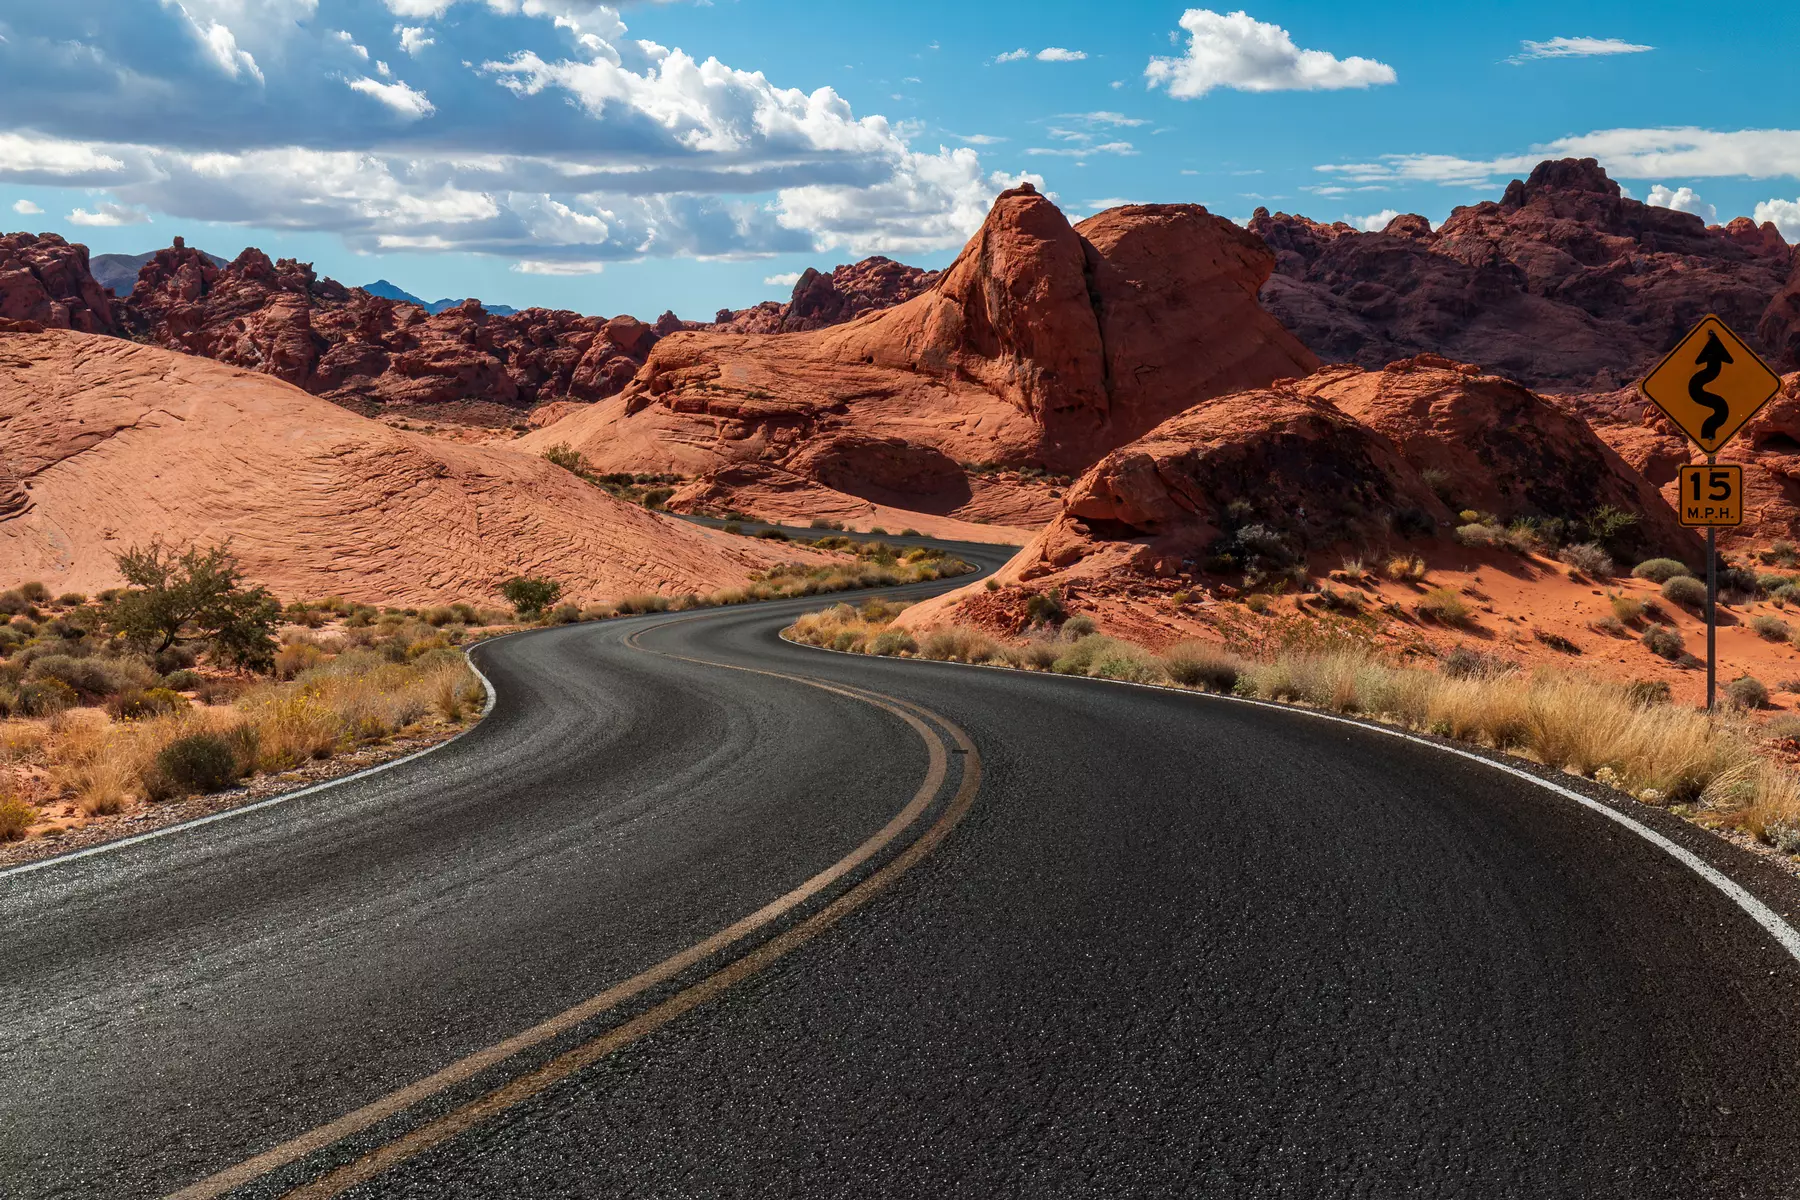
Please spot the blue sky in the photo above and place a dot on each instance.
(693, 155)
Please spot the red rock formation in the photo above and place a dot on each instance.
(821, 300)
(281, 319)
(45, 282)
(1779, 330)
(1313, 469)
(105, 443)
(1564, 284)
(1041, 346)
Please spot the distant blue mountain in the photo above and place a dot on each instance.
(388, 291)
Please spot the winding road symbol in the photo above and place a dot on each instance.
(1711, 361)
(1710, 384)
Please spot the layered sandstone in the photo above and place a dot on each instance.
(1041, 347)
(820, 300)
(105, 443)
(1565, 284)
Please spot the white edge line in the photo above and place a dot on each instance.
(1771, 921)
(151, 834)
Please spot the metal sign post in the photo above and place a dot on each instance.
(1710, 403)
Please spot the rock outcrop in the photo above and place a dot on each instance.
(105, 443)
(368, 352)
(1346, 462)
(820, 300)
(45, 283)
(1564, 284)
(1041, 347)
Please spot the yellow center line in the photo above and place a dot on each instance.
(443, 1128)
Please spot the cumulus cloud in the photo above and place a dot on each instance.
(396, 95)
(1012, 55)
(109, 214)
(1058, 54)
(583, 147)
(413, 38)
(1234, 50)
(1627, 153)
(1576, 47)
(1374, 222)
(786, 279)
(26, 208)
(1121, 148)
(1784, 213)
(1683, 199)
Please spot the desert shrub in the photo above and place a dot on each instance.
(1684, 590)
(567, 457)
(199, 762)
(1202, 665)
(1033, 654)
(71, 599)
(772, 535)
(1349, 602)
(193, 593)
(1557, 641)
(1628, 609)
(437, 615)
(296, 657)
(35, 592)
(657, 497)
(891, 642)
(1125, 661)
(1784, 727)
(847, 640)
(958, 643)
(1612, 626)
(1079, 626)
(1445, 606)
(1772, 629)
(1783, 554)
(133, 704)
(564, 614)
(12, 603)
(1650, 691)
(182, 681)
(1354, 570)
(644, 602)
(16, 817)
(1660, 570)
(1480, 535)
(732, 527)
(1405, 568)
(530, 594)
(1747, 692)
(1587, 557)
(1664, 641)
(1045, 608)
(93, 678)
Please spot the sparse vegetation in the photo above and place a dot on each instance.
(530, 595)
(187, 593)
(1664, 641)
(1444, 606)
(1660, 570)
(1685, 590)
(1589, 558)
(1772, 629)
(1405, 568)
(1747, 692)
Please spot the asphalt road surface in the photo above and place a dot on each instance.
(696, 912)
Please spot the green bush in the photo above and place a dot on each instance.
(1079, 626)
(46, 697)
(1772, 629)
(1684, 590)
(93, 678)
(891, 642)
(200, 762)
(1660, 570)
(529, 594)
(71, 599)
(132, 704)
(35, 592)
(182, 681)
(16, 817)
(1045, 608)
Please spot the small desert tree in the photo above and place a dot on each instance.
(186, 593)
(529, 594)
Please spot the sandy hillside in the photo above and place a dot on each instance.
(105, 443)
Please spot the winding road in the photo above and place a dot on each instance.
(696, 912)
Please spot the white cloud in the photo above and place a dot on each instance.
(1120, 148)
(1237, 51)
(1058, 54)
(932, 202)
(1108, 118)
(343, 36)
(109, 214)
(536, 266)
(1683, 199)
(413, 38)
(402, 99)
(1784, 213)
(1111, 202)
(1686, 152)
(26, 208)
(24, 159)
(786, 279)
(1576, 47)
(978, 139)
(419, 8)
(1374, 222)
(1012, 55)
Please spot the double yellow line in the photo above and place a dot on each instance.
(441, 1129)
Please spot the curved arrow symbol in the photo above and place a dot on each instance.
(1711, 359)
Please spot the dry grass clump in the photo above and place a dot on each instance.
(1405, 568)
(959, 643)
(1444, 606)
(16, 817)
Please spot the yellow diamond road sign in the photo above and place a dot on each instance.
(1710, 384)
